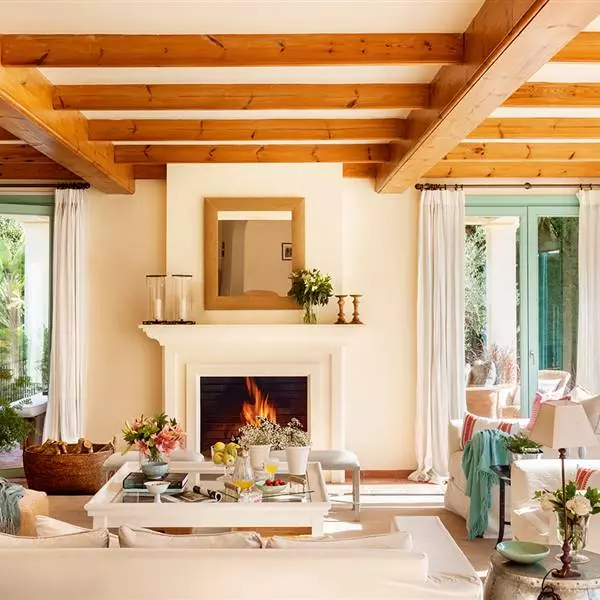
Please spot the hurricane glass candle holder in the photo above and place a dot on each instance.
(156, 290)
(182, 299)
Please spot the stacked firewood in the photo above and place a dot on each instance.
(83, 446)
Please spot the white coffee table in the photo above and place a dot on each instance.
(107, 508)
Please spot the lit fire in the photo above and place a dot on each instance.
(259, 407)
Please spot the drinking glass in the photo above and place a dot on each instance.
(271, 467)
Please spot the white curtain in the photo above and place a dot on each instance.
(588, 340)
(440, 328)
(64, 416)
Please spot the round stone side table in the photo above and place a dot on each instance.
(507, 580)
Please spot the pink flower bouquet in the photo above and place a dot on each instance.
(154, 436)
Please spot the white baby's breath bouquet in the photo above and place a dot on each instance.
(261, 433)
(294, 435)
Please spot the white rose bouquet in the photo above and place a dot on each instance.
(580, 505)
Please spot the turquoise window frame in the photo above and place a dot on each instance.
(528, 209)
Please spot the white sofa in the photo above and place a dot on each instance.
(435, 568)
(529, 522)
(455, 499)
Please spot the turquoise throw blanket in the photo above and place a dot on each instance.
(486, 448)
(10, 515)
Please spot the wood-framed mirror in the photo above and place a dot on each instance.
(251, 245)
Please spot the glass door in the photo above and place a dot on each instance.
(521, 300)
(554, 234)
(495, 308)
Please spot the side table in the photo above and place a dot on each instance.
(503, 473)
(507, 580)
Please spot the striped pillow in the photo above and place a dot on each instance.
(539, 399)
(583, 476)
(472, 424)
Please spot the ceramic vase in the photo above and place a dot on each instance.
(258, 455)
(152, 468)
(297, 459)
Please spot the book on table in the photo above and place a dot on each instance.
(134, 482)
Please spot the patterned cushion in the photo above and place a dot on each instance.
(473, 424)
(583, 476)
(539, 399)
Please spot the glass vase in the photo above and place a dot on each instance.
(309, 317)
(577, 529)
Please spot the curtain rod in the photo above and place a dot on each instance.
(526, 185)
(58, 186)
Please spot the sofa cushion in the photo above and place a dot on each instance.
(49, 527)
(130, 537)
(95, 538)
(472, 424)
(399, 540)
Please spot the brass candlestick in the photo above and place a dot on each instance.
(355, 301)
(341, 317)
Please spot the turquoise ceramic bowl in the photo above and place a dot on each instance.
(523, 552)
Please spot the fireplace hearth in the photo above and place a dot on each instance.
(227, 403)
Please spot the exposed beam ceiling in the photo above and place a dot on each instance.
(153, 130)
(523, 169)
(240, 96)
(230, 50)
(358, 170)
(22, 153)
(556, 94)
(537, 128)
(584, 47)
(31, 171)
(26, 112)
(519, 152)
(505, 44)
(282, 153)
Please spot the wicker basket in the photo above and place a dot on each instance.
(66, 473)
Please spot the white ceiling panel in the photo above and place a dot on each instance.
(349, 74)
(239, 16)
(246, 114)
(568, 73)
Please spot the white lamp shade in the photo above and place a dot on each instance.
(563, 424)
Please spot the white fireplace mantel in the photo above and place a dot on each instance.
(185, 335)
(315, 351)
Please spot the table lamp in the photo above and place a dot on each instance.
(563, 424)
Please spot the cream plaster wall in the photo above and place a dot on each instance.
(368, 243)
(126, 237)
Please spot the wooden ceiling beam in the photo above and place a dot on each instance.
(162, 130)
(360, 171)
(584, 47)
(519, 152)
(150, 172)
(22, 153)
(538, 95)
(35, 172)
(505, 44)
(279, 153)
(240, 96)
(26, 112)
(230, 50)
(6, 135)
(523, 169)
(536, 128)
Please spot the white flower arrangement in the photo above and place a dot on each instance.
(579, 503)
(294, 435)
(261, 434)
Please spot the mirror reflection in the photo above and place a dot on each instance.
(255, 252)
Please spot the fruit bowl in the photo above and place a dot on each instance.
(277, 486)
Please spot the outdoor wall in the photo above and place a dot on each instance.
(368, 243)
(126, 241)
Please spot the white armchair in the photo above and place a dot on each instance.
(529, 522)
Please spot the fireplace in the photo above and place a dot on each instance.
(228, 402)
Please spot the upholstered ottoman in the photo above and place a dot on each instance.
(32, 504)
(341, 460)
